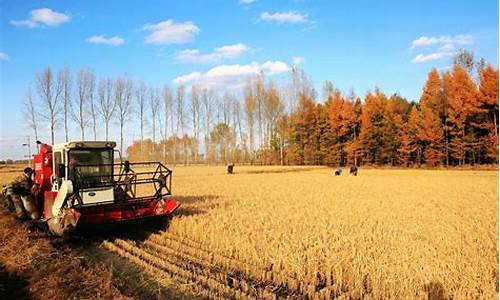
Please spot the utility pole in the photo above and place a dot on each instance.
(28, 145)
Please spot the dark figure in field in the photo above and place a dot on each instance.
(21, 195)
(353, 170)
(230, 168)
(338, 172)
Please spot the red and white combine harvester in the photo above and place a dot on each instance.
(82, 186)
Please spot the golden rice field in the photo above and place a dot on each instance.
(302, 233)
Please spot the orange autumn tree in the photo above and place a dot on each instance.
(463, 103)
(303, 144)
(432, 93)
(378, 136)
(431, 133)
(399, 109)
(334, 108)
(488, 97)
(410, 148)
(352, 122)
(325, 138)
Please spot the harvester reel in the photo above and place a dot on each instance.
(160, 182)
(128, 184)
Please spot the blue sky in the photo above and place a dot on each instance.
(354, 44)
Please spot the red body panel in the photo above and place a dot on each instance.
(42, 164)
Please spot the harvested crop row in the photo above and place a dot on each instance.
(283, 282)
(208, 283)
(234, 277)
(160, 271)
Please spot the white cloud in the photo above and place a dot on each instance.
(421, 58)
(228, 51)
(101, 39)
(461, 39)
(275, 67)
(42, 16)
(3, 56)
(247, 1)
(169, 32)
(231, 76)
(284, 17)
(446, 45)
(27, 23)
(188, 77)
(297, 60)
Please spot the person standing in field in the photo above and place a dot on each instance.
(22, 195)
(230, 168)
(353, 170)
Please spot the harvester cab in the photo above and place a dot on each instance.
(83, 185)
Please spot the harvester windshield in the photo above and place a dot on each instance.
(91, 164)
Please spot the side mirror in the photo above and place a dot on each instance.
(61, 171)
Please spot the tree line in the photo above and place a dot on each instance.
(455, 121)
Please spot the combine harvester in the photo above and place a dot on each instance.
(81, 187)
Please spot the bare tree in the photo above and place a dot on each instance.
(167, 110)
(92, 105)
(107, 103)
(140, 93)
(328, 90)
(195, 113)
(179, 100)
(226, 107)
(80, 105)
(300, 83)
(250, 108)
(464, 59)
(293, 90)
(273, 109)
(30, 112)
(64, 78)
(155, 106)
(123, 97)
(50, 99)
(195, 110)
(207, 101)
(259, 98)
(237, 124)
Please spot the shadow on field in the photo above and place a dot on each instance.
(435, 291)
(140, 230)
(196, 205)
(12, 286)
